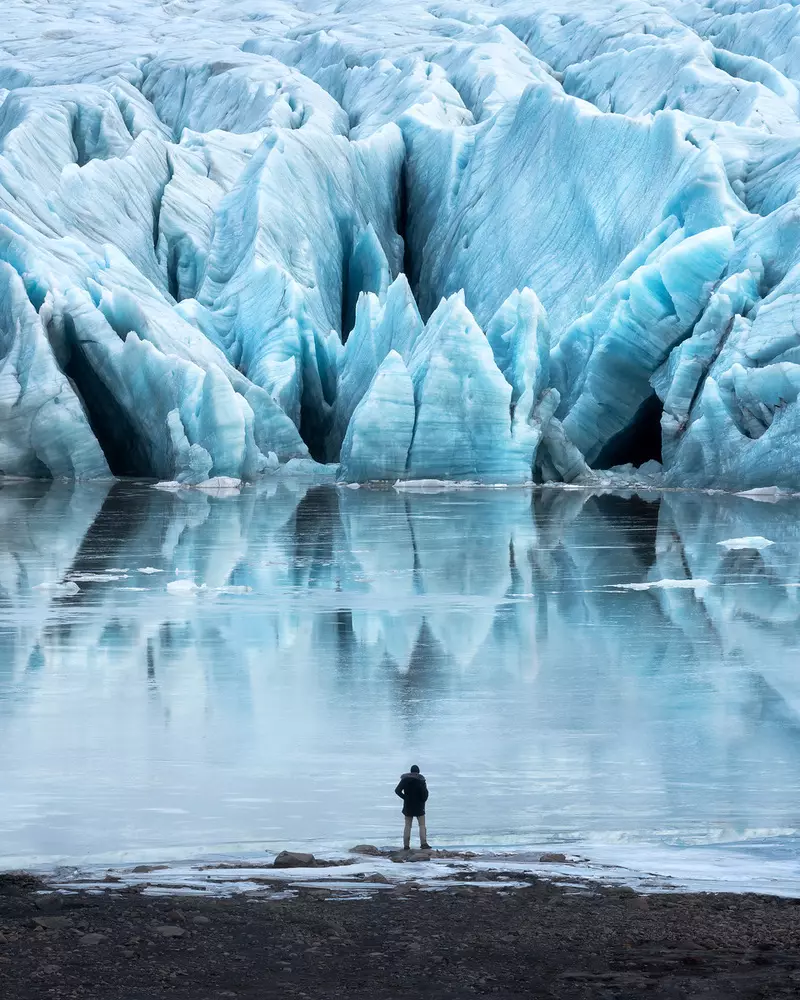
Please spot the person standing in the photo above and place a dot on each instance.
(413, 790)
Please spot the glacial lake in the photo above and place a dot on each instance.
(184, 674)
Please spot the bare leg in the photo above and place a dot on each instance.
(407, 833)
(423, 832)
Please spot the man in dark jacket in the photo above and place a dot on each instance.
(413, 790)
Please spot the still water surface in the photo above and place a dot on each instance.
(183, 674)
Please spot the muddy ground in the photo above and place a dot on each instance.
(542, 940)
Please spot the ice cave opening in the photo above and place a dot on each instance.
(122, 446)
(637, 443)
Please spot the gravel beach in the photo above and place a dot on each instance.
(503, 940)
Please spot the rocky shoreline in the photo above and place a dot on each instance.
(493, 934)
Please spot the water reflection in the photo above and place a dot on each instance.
(181, 672)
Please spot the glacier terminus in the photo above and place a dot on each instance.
(511, 242)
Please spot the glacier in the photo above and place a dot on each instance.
(499, 242)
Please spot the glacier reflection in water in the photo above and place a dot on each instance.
(510, 642)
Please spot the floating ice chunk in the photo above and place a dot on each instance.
(649, 475)
(97, 577)
(62, 589)
(756, 542)
(307, 469)
(697, 585)
(235, 589)
(434, 485)
(764, 494)
(223, 486)
(185, 587)
(149, 570)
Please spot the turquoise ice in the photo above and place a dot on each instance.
(231, 240)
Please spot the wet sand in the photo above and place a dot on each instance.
(504, 939)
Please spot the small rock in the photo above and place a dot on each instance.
(92, 939)
(50, 903)
(144, 869)
(169, 931)
(52, 922)
(555, 858)
(293, 859)
(369, 849)
(200, 919)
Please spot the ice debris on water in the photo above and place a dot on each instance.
(185, 587)
(97, 577)
(478, 242)
(67, 589)
(755, 543)
(698, 584)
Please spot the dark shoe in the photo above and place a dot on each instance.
(425, 847)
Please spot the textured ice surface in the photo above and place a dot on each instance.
(237, 236)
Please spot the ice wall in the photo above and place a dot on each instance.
(538, 240)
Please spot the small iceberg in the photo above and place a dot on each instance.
(699, 584)
(434, 485)
(764, 494)
(61, 589)
(756, 542)
(185, 587)
(97, 577)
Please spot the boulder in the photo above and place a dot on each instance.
(293, 859)
(369, 849)
(169, 931)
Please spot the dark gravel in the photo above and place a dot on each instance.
(539, 941)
